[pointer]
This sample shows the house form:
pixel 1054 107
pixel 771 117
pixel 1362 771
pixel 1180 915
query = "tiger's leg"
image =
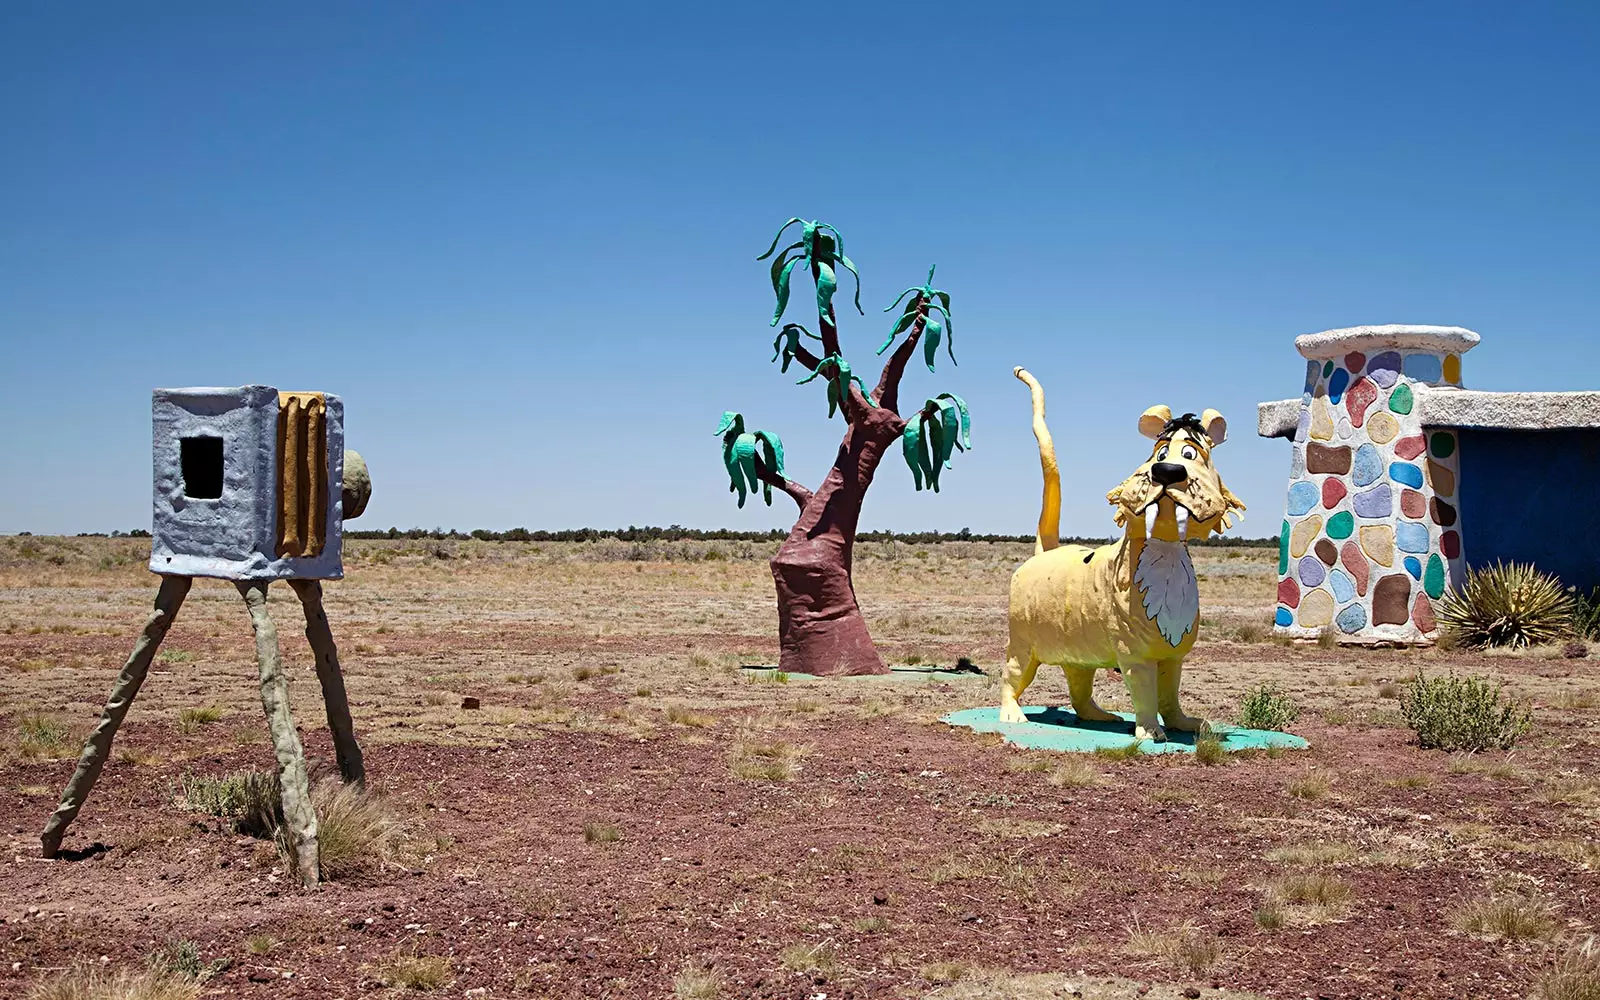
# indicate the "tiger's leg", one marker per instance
pixel 1168 675
pixel 1141 680
pixel 1080 682
pixel 1021 665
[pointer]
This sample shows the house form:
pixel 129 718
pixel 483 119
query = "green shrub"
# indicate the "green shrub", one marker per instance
pixel 1507 604
pixel 1266 707
pixel 251 799
pixel 1462 713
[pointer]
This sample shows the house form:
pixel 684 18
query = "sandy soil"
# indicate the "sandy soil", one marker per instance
pixel 870 852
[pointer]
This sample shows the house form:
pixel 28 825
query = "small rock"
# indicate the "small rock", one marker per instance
pixel 1192 992
pixel 879 899
pixel 470 702
pixel 261 976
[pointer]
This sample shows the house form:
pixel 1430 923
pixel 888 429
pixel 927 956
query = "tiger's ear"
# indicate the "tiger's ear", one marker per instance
pixel 1153 420
pixel 1216 427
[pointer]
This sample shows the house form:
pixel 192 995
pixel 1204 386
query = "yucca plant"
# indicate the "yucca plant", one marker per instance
pixel 1507 604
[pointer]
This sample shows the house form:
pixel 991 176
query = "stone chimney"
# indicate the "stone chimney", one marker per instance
pixel 1370 537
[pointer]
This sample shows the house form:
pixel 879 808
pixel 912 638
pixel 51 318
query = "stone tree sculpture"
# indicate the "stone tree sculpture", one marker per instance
pixel 820 627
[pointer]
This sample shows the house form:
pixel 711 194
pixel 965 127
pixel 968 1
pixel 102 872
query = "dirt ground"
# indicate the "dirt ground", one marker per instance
pixel 750 835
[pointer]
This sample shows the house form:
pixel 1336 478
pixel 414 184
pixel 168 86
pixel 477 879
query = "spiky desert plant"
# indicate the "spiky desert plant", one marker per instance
pixel 1507 604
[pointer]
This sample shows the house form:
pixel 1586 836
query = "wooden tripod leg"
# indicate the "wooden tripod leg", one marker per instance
pixel 298 815
pixel 320 636
pixel 98 748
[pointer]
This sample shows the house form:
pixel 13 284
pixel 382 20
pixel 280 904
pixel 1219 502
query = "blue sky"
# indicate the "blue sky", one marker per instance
pixel 519 239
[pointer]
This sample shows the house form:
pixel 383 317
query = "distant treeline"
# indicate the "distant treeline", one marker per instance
pixel 678 533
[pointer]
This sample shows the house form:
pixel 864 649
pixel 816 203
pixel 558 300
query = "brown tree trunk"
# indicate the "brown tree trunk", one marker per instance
pixel 820 628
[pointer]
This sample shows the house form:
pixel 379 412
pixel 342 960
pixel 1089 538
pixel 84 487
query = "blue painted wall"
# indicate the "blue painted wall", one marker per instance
pixel 1529 496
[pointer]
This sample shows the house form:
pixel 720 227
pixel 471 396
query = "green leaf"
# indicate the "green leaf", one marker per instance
pixel 913 288
pixel 833 398
pixel 731 420
pixel 901 323
pixel 931 332
pixel 827 283
pixel 783 290
pixel 838 238
pixel 777 265
pixel 744 454
pixel 852 269
pixel 932 449
pixel 910 444
pixel 949 431
pixel 944 299
pixel 966 421
pixel 771 451
pixel 778 236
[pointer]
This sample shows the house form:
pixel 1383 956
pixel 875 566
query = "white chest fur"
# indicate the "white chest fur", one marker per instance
pixel 1165 577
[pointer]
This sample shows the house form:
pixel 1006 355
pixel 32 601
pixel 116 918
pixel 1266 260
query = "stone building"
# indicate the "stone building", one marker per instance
pixel 1400 479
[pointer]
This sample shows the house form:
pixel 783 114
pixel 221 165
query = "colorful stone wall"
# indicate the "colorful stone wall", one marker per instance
pixel 1371 535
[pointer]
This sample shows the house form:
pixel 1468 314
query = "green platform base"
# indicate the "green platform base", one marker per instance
pixel 1052 728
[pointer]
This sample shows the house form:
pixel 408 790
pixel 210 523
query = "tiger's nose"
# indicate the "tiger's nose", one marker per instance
pixel 1168 473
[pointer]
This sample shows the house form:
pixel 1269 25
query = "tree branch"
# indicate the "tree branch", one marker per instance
pixel 798 493
pixel 888 391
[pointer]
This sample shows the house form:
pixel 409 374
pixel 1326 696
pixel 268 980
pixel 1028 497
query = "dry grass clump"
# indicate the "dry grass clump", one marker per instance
pixel 408 970
pixel 872 925
pixel 1512 916
pixel 191 719
pixel 1576 975
pixel 43 736
pixel 1208 750
pixel 1309 855
pixel 774 760
pixel 818 959
pixel 1132 750
pixel 601 833
pixel 92 982
pixel 945 972
pixel 1074 771
pixel 678 715
pixel 1310 787
pixel 1186 946
pixel 697 981
pixel 355 829
pixel 1313 897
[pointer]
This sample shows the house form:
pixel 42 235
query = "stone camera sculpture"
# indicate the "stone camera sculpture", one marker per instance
pixel 820 627
pixel 251 485
pixel 1132 605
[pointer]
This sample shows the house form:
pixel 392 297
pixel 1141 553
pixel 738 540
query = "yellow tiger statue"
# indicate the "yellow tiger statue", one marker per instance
pixel 1132 605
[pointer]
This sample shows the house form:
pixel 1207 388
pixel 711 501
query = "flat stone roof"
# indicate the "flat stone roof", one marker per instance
pixel 1448 406
pixel 1393 337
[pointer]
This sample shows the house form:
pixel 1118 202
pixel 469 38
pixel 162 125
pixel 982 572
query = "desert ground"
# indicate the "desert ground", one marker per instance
pixel 632 813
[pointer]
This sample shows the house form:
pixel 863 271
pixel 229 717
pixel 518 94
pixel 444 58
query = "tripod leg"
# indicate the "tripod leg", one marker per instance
pixel 168 600
pixel 320 636
pixel 298 814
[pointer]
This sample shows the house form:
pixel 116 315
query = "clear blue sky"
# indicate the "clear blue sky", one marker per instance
pixel 518 239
